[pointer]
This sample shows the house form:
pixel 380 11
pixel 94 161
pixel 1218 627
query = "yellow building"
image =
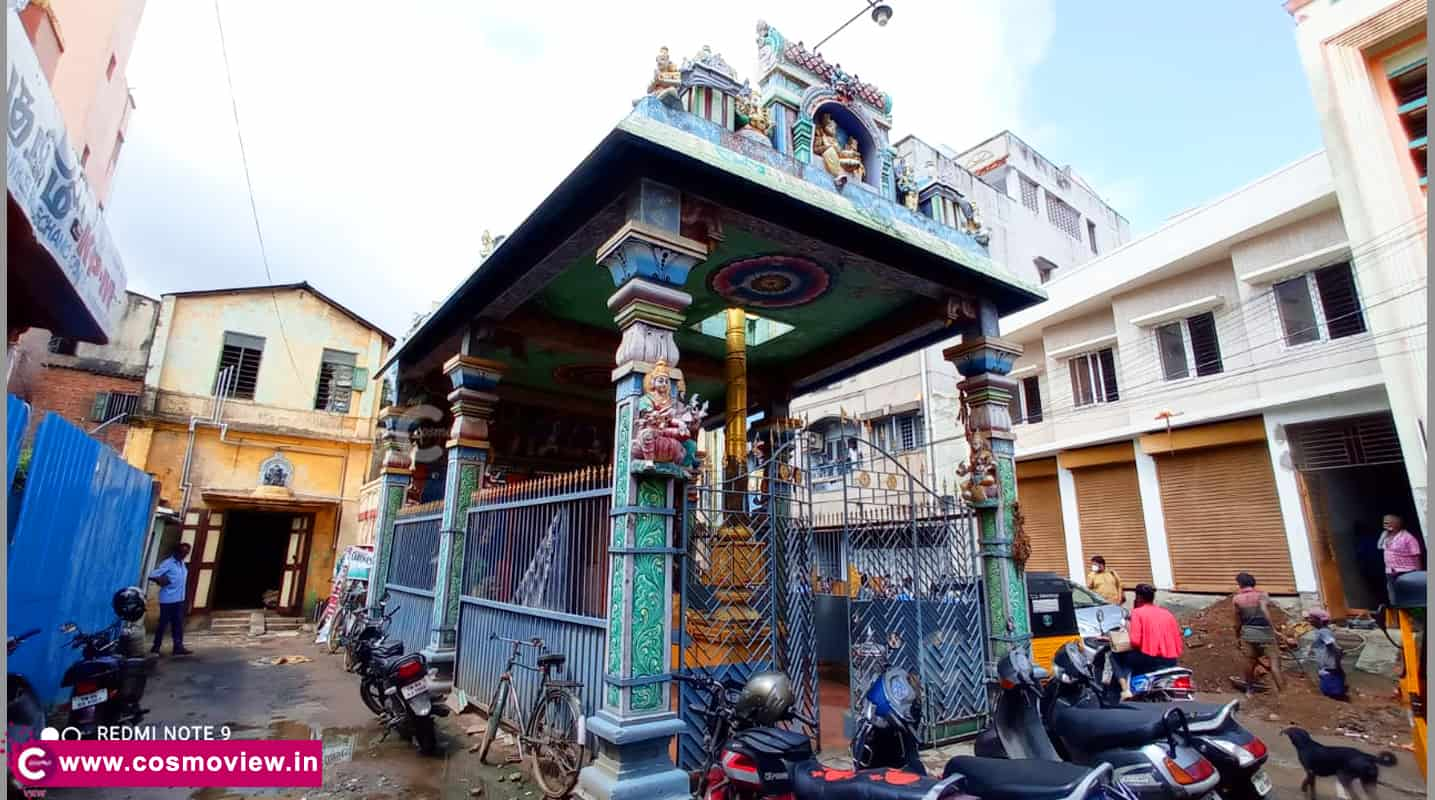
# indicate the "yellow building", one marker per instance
pixel 258 418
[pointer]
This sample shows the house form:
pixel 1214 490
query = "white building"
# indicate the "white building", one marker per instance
pixel 1366 63
pixel 1210 399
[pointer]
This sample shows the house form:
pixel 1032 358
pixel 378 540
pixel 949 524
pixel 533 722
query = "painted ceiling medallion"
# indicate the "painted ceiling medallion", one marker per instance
pixel 771 281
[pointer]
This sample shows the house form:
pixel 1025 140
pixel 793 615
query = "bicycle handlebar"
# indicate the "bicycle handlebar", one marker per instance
pixel 535 642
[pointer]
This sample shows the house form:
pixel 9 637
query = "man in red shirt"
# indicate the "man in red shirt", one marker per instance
pixel 1155 635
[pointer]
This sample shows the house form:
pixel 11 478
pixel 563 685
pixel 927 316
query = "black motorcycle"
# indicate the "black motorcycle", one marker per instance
pixel 409 709
pixel 365 634
pixel 25 718
pixel 747 758
pixel 1152 749
pixel 106 685
pixel 1238 754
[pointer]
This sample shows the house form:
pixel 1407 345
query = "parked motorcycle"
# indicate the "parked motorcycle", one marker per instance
pixel 372 653
pixel 1238 754
pixel 368 630
pixel 409 708
pixel 1151 748
pixel 107 683
pixel 748 757
pixel 25 718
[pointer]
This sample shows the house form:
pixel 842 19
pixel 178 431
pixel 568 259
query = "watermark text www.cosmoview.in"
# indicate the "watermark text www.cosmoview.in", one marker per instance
pixel 238 763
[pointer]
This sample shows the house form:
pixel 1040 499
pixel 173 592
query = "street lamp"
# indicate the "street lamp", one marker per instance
pixel 881 14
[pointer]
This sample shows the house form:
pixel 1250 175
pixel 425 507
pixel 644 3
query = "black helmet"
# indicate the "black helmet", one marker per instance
pixel 128 604
pixel 766 698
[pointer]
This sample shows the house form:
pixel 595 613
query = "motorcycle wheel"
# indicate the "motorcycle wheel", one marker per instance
pixel 425 736
pixel 24 716
pixel 373 695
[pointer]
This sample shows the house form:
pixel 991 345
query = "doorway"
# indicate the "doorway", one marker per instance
pixel 251 558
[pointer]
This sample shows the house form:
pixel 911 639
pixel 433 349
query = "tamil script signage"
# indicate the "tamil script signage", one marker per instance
pixel 47 183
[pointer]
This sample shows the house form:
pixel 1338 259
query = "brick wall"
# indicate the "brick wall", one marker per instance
pixel 71 394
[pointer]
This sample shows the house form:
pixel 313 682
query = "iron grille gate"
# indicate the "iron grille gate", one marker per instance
pixel 746 587
pixel 918 603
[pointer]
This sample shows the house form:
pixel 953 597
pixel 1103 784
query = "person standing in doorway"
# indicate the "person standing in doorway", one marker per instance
pixel 1401 550
pixel 1104 582
pixel 172 576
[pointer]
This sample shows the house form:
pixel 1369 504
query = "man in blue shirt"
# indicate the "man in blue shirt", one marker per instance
pixel 172 576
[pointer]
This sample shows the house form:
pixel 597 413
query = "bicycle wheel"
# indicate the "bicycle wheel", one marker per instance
pixel 557 748
pixel 335 626
pixel 495 718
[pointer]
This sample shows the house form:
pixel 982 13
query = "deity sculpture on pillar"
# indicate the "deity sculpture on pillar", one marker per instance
pixel 907 185
pixel 668 423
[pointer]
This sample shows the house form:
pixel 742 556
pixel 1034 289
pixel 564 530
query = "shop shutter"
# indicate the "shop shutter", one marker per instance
pixel 1040 503
pixel 1108 506
pixel 1223 517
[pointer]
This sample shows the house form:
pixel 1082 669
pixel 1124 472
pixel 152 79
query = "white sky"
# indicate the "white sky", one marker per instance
pixel 383 138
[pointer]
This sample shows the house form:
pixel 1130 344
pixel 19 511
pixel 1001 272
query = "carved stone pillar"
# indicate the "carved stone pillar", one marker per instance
pixel 473 400
pixel 988 477
pixel 649 261
pixel 394 474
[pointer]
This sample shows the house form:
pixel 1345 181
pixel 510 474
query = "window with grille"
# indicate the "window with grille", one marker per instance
pixel 1407 82
pixel 336 382
pixel 1026 401
pixel 1324 304
pixel 897 434
pixel 1028 192
pixel 238 372
pixel 1091 236
pixel 1063 216
pixel 1093 378
pixel 109 405
pixel 1192 341
pixel 61 346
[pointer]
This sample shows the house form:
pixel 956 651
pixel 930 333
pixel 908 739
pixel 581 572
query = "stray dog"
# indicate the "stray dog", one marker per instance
pixel 1346 764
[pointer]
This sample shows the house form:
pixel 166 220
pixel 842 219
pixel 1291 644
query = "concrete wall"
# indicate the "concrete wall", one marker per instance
pixel 1343 47
pixel 94 99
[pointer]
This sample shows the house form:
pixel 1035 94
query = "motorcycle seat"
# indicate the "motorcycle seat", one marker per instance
pixel 813 781
pixel 1003 779
pixel 778 742
pixel 1195 712
pixel 1108 728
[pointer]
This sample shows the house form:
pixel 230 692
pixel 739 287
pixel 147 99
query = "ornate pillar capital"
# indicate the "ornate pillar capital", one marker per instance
pixel 472 397
pixel 394 441
pixel 980 355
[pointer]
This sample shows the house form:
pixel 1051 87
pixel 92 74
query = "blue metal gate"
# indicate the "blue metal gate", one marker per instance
pixel 79 537
pixel 413 567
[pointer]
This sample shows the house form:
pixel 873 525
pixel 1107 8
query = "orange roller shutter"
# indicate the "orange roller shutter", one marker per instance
pixel 1108 506
pixel 1223 517
pixel 1040 503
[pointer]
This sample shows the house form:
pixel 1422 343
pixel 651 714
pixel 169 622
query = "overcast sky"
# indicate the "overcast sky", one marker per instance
pixel 383 138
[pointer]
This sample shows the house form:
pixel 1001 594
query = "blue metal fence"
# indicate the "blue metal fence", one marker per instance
pixel 536 565
pixel 412 573
pixel 78 538
pixel 17 417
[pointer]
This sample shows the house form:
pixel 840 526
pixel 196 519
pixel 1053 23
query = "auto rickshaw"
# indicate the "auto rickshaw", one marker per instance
pixel 1408 603
pixel 1053 616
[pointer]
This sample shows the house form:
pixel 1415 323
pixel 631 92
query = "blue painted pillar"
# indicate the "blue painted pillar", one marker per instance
pixel 649 262
pixel 473 400
pixel 988 477
pixel 394 474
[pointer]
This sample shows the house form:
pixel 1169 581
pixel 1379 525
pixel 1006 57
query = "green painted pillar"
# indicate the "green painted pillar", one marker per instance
pixel 394 473
pixel 649 261
pixel 474 380
pixel 988 477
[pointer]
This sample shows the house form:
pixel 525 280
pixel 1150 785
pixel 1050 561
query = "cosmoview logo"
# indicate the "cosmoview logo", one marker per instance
pixel 33 763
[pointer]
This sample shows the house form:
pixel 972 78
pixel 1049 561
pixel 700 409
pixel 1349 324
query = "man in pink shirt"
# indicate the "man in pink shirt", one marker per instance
pixel 1402 551
pixel 1155 635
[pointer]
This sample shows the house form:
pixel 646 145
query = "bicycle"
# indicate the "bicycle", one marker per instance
pixel 552 732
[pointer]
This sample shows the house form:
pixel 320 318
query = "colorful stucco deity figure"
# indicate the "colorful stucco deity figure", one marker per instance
pixel 907 185
pixel 668 423
pixel 750 113
pixel 840 162
pixel 666 74
pixel 972 221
